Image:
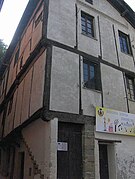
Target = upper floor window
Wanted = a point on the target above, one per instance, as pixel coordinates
(125, 45)
(89, 1)
(2, 86)
(39, 18)
(87, 23)
(21, 62)
(130, 87)
(16, 57)
(91, 75)
(10, 105)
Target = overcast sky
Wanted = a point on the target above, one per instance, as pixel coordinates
(11, 13)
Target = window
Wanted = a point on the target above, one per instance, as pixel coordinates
(89, 1)
(10, 105)
(2, 86)
(124, 43)
(130, 87)
(39, 18)
(21, 62)
(16, 57)
(91, 75)
(87, 24)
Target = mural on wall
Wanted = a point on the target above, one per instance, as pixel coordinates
(116, 122)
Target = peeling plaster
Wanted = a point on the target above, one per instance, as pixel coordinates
(125, 167)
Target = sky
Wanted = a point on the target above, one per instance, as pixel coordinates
(11, 14)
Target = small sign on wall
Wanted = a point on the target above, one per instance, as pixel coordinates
(62, 146)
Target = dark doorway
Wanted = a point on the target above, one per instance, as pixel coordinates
(21, 165)
(69, 159)
(103, 159)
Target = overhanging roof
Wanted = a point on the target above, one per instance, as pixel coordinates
(124, 9)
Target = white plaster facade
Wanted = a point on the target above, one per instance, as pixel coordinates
(65, 74)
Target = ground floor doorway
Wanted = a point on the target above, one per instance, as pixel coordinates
(69, 159)
(103, 161)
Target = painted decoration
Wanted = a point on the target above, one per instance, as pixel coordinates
(116, 122)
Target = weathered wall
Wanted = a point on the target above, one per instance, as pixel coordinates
(88, 149)
(110, 21)
(43, 145)
(28, 165)
(131, 106)
(90, 99)
(114, 96)
(3, 86)
(108, 37)
(61, 21)
(126, 60)
(64, 94)
(38, 80)
(28, 97)
(105, 17)
(125, 158)
(88, 44)
(64, 81)
(121, 155)
(37, 29)
(9, 122)
(29, 39)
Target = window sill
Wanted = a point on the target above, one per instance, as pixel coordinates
(130, 55)
(131, 100)
(94, 90)
(89, 36)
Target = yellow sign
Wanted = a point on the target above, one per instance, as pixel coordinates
(116, 122)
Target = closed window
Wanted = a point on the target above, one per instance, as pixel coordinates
(91, 75)
(125, 45)
(16, 57)
(89, 1)
(21, 62)
(130, 87)
(87, 24)
(39, 18)
(10, 105)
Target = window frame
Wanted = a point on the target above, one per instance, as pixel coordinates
(89, 31)
(97, 76)
(125, 44)
(39, 19)
(10, 105)
(130, 87)
(21, 63)
(89, 1)
(16, 57)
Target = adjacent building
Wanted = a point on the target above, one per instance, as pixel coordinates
(1, 4)
(67, 92)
